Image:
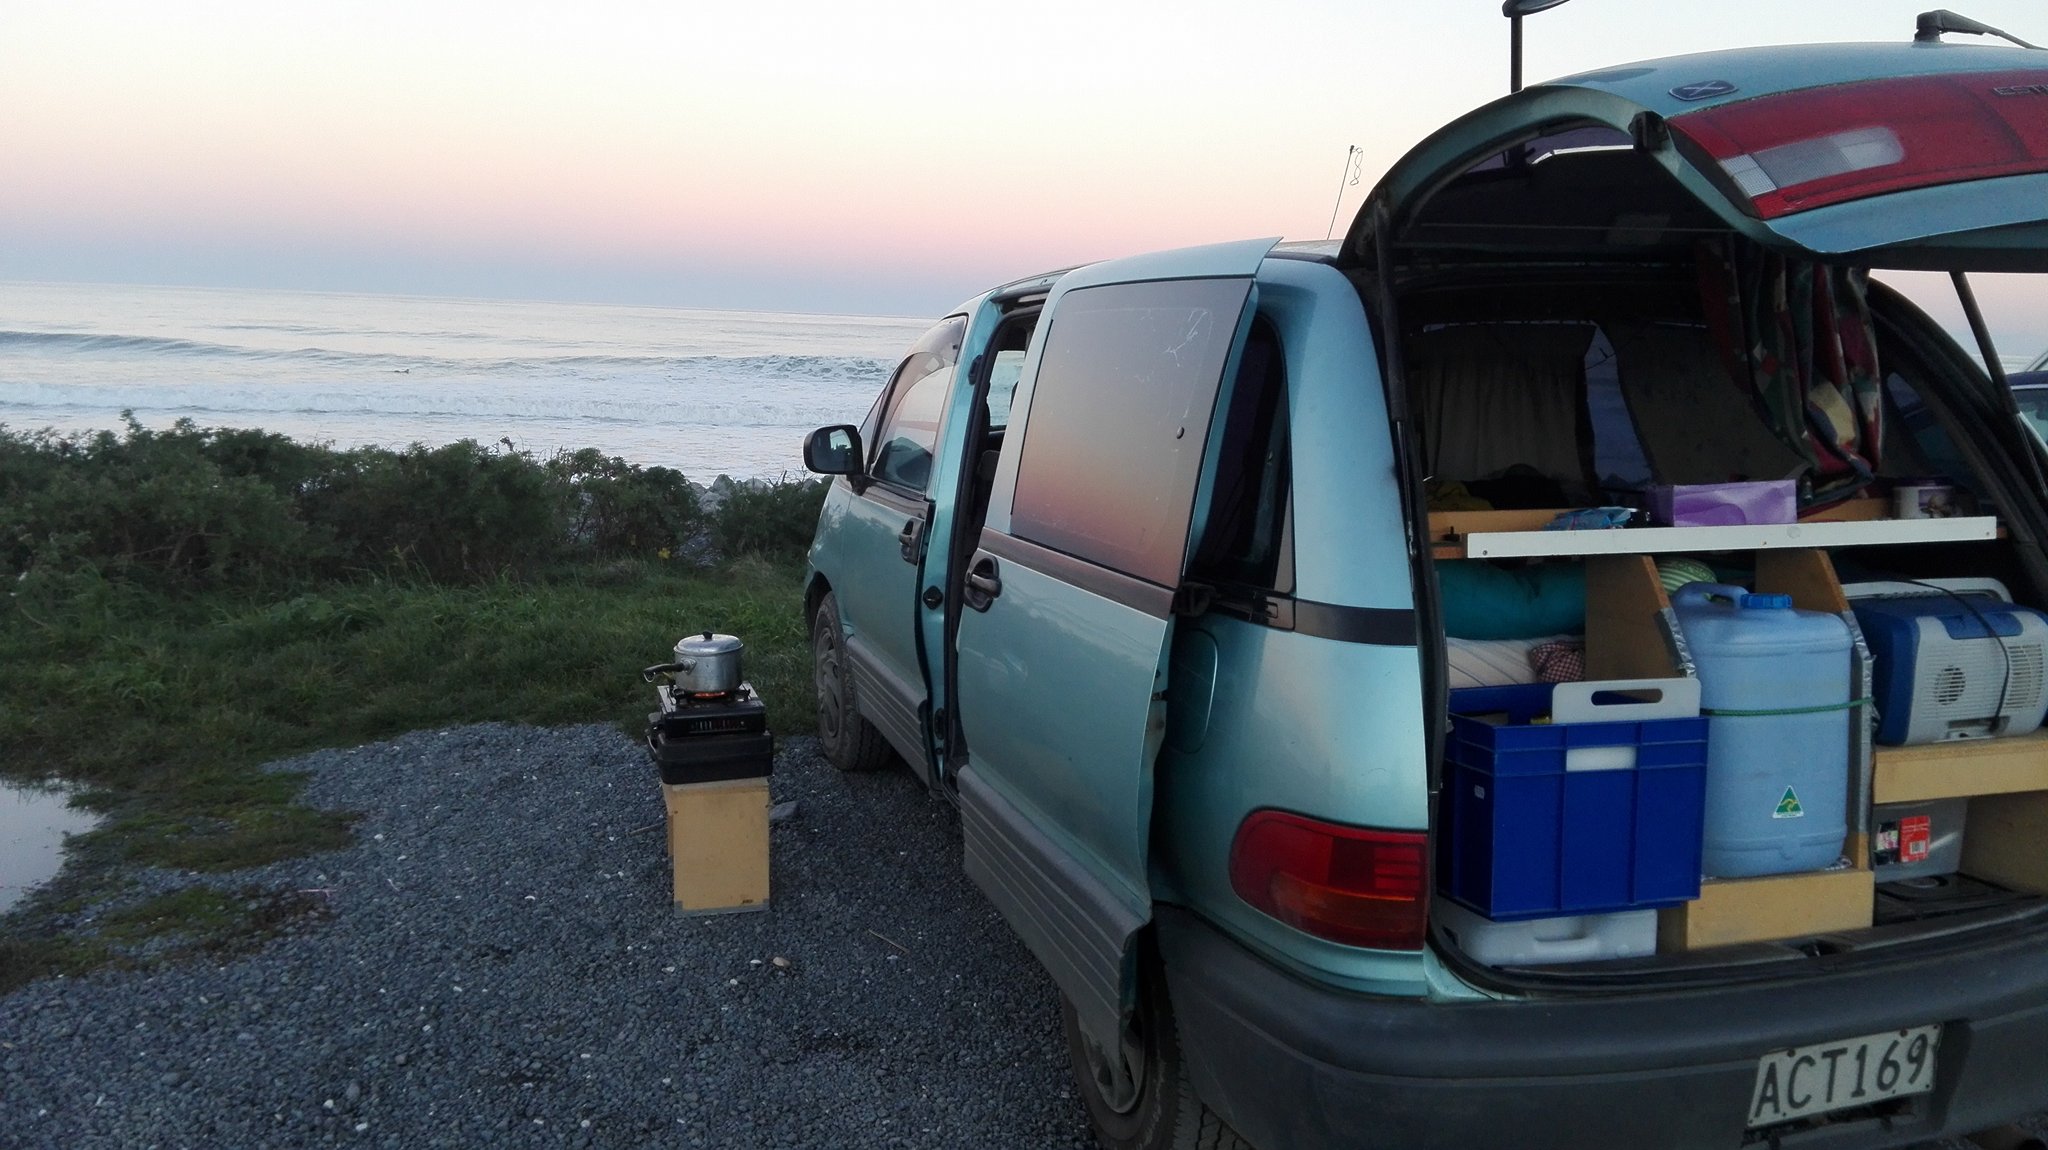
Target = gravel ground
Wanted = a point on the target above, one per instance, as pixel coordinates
(499, 963)
(495, 962)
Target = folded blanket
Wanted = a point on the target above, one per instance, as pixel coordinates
(1493, 662)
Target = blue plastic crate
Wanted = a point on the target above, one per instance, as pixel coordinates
(1521, 837)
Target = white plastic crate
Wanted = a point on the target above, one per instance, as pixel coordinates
(1547, 941)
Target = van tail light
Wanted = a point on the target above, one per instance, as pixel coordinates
(1346, 884)
(1813, 147)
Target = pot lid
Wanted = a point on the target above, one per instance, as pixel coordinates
(697, 646)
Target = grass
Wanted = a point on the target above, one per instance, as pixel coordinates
(163, 707)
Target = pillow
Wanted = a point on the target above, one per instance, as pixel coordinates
(1489, 662)
(1482, 601)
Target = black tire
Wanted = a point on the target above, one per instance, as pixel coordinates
(1163, 1112)
(849, 741)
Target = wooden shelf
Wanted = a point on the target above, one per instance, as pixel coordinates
(1963, 768)
(1754, 537)
(1857, 510)
(1449, 530)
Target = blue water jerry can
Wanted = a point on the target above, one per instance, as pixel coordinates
(1775, 685)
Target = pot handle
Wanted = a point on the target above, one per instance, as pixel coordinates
(684, 666)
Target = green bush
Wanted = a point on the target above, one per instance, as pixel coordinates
(775, 520)
(618, 510)
(225, 507)
(139, 505)
(453, 514)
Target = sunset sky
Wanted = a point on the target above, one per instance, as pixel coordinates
(888, 158)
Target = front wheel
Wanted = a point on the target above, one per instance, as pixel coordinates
(1138, 1096)
(849, 741)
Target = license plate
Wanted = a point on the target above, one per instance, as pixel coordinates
(1809, 1080)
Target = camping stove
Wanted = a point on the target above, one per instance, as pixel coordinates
(708, 737)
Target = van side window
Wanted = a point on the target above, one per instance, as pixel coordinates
(1121, 405)
(1003, 371)
(1240, 544)
(903, 446)
(1916, 443)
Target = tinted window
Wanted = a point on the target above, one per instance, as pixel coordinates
(1916, 445)
(903, 447)
(1002, 384)
(1241, 542)
(1125, 390)
(2034, 405)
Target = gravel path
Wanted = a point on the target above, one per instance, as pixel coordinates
(500, 965)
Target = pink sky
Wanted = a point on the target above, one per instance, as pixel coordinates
(816, 156)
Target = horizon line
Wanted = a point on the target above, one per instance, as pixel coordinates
(459, 298)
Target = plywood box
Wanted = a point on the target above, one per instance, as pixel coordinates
(2005, 841)
(718, 842)
(1730, 911)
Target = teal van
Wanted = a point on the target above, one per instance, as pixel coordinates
(1139, 564)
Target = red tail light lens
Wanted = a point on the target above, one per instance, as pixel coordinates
(1349, 885)
(1818, 146)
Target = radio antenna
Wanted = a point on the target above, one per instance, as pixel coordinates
(1353, 157)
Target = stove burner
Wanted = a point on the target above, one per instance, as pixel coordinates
(705, 737)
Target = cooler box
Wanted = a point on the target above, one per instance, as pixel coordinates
(1955, 666)
(1546, 818)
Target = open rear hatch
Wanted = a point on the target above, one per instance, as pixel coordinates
(1573, 280)
(1902, 156)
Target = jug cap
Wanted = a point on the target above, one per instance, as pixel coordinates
(1767, 602)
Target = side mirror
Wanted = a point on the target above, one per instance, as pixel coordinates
(834, 450)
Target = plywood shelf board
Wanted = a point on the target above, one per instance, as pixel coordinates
(2002, 841)
(1852, 510)
(1753, 537)
(1625, 603)
(1805, 574)
(1731, 911)
(1451, 524)
(1963, 768)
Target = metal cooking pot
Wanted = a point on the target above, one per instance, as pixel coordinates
(704, 664)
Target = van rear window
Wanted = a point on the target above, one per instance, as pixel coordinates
(1795, 151)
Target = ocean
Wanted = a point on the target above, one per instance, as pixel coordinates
(705, 392)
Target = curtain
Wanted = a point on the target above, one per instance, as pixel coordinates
(1501, 395)
(1669, 374)
(1798, 341)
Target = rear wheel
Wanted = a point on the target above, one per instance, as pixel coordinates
(1139, 1096)
(849, 741)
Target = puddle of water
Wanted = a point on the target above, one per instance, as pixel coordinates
(33, 823)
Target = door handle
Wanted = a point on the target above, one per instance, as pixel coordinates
(906, 540)
(984, 583)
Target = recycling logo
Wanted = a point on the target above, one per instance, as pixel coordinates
(1788, 807)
